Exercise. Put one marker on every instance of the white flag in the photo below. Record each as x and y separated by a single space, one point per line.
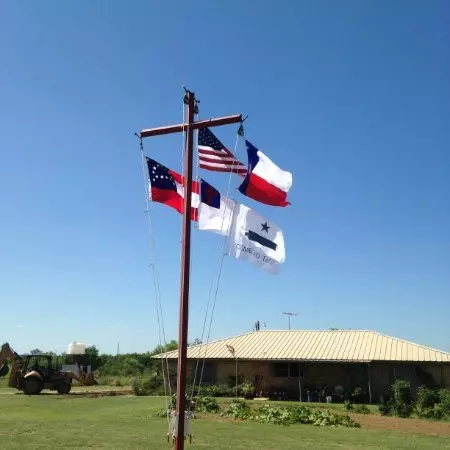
256 240
215 212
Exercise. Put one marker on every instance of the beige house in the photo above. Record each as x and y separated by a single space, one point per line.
311 364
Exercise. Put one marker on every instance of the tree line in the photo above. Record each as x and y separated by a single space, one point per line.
127 364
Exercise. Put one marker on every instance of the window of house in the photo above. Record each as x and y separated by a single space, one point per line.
286 370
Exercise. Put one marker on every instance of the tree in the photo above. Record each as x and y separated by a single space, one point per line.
36 351
91 352
91 355
172 345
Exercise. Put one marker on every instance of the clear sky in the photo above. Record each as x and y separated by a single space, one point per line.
353 97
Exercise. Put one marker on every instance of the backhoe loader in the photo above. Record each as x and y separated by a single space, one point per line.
32 373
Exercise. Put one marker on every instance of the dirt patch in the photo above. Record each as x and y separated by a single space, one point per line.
94 394
418 426
373 421
102 393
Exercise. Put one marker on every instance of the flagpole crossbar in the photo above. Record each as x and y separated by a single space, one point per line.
188 127
179 128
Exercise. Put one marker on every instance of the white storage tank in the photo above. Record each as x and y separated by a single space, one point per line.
76 348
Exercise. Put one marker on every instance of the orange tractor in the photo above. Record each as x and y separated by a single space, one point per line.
32 373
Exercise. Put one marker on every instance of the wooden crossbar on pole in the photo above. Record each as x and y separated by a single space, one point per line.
208 123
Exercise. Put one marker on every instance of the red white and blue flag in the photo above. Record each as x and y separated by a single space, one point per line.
215 212
167 187
265 181
213 155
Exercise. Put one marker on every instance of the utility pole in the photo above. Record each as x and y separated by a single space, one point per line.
188 128
289 315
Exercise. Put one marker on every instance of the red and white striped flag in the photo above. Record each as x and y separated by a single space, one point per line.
213 155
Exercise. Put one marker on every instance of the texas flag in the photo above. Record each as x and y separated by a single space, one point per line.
167 187
265 181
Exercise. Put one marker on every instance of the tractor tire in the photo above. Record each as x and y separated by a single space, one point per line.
63 388
32 386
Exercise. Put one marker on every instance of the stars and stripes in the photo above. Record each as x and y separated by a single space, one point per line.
214 156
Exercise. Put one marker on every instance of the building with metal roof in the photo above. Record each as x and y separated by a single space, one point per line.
304 363
306 345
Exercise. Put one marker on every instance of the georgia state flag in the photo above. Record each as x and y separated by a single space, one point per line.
265 181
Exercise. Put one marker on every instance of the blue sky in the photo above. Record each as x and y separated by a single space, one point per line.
352 97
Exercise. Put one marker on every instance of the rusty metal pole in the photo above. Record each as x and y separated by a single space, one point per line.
185 269
189 127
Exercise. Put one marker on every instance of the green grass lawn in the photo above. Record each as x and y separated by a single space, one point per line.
124 422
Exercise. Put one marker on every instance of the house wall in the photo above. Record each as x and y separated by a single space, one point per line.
315 375
383 374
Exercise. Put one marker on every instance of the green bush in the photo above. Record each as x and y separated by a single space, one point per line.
137 388
358 395
438 411
401 398
425 402
348 405
270 414
384 408
362 409
246 389
217 390
237 409
152 385
444 400
426 398
207 404
266 413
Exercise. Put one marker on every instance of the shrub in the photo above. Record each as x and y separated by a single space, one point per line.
238 409
384 408
317 417
425 402
362 409
246 388
207 404
358 395
270 414
348 405
444 400
137 387
217 390
152 385
401 398
426 398
287 415
438 411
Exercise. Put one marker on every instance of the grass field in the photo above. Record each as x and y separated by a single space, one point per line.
123 422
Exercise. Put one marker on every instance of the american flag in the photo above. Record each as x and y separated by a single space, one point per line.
213 155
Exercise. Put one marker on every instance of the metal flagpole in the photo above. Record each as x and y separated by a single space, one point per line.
185 270
189 127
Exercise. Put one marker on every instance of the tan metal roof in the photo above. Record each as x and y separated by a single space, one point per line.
329 345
